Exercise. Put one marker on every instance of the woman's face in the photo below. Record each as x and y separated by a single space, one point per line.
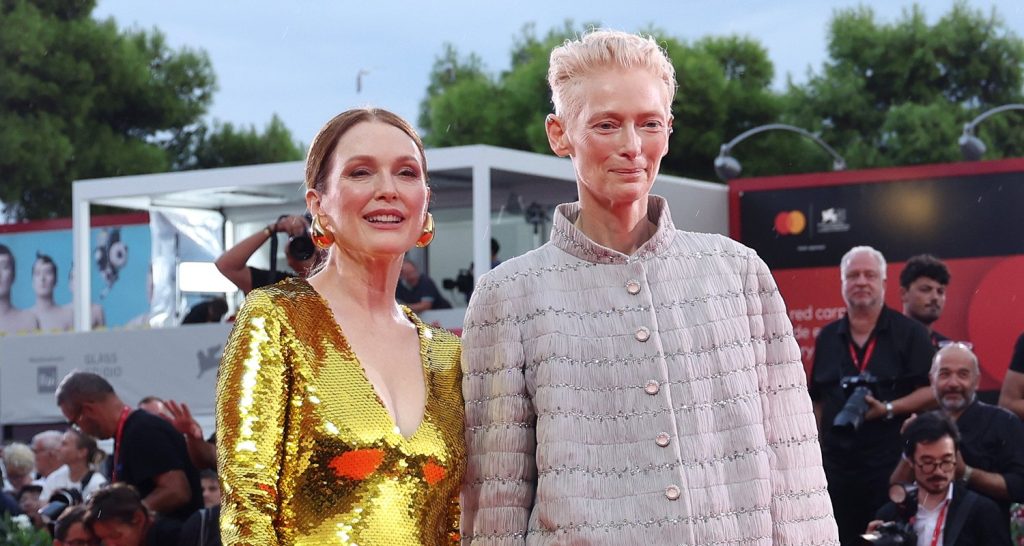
69 452
375 197
618 137
44 278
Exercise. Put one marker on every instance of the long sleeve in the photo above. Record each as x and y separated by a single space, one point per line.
498 489
800 506
251 409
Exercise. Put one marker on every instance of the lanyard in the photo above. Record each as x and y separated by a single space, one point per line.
938 523
125 412
862 364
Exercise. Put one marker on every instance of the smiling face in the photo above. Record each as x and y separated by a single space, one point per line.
374 201
954 378
619 136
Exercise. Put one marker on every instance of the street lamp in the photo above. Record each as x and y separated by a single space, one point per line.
971 147
728 167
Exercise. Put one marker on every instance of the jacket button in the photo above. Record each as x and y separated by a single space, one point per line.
643 334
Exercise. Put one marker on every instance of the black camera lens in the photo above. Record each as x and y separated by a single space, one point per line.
301 247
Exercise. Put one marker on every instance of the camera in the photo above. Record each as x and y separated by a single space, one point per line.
58 502
463 282
851 417
301 247
901 530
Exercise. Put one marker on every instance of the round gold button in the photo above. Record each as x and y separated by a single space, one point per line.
672 492
662 439
643 334
633 287
652 387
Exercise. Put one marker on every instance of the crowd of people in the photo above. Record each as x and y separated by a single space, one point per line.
626 383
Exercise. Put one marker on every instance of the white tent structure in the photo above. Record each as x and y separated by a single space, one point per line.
470 184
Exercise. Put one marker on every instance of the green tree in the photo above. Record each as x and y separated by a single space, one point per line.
724 88
899 93
80 99
224 145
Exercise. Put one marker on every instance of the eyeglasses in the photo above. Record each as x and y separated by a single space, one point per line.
964 344
928 467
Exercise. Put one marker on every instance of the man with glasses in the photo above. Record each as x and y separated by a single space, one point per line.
890 354
947 513
992 438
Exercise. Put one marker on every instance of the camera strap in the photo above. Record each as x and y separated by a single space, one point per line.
862 363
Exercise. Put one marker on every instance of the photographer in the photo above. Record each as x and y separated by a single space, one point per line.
871 339
941 510
299 251
418 291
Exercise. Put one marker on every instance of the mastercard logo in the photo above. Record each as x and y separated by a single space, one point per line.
791 222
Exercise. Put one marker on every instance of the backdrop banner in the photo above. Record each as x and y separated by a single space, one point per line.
172 363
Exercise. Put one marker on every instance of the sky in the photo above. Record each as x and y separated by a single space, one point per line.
300 58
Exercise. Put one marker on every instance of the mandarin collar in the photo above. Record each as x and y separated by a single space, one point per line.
569 238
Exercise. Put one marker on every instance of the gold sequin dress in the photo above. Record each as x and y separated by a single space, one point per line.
308 454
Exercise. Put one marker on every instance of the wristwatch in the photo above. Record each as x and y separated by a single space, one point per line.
888 411
967 474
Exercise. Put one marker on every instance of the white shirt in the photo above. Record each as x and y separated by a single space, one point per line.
924 522
60 478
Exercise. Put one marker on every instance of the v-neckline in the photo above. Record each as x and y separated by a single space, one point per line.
423 335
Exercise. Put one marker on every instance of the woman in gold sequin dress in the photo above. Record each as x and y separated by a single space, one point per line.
339 413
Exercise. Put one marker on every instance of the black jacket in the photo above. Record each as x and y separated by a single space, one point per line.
972 520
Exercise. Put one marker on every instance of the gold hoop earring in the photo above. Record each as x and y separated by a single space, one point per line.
428 232
322 238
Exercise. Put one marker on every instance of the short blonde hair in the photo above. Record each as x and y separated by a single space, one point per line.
602 49
19 459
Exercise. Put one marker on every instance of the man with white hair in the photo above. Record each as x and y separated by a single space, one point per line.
887 353
46 448
992 438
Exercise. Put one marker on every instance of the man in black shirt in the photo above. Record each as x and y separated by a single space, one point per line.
923 283
418 291
895 350
992 439
149 453
232 264
1011 396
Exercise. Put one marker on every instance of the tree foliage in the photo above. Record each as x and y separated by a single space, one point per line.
224 145
80 98
889 94
899 93
723 89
